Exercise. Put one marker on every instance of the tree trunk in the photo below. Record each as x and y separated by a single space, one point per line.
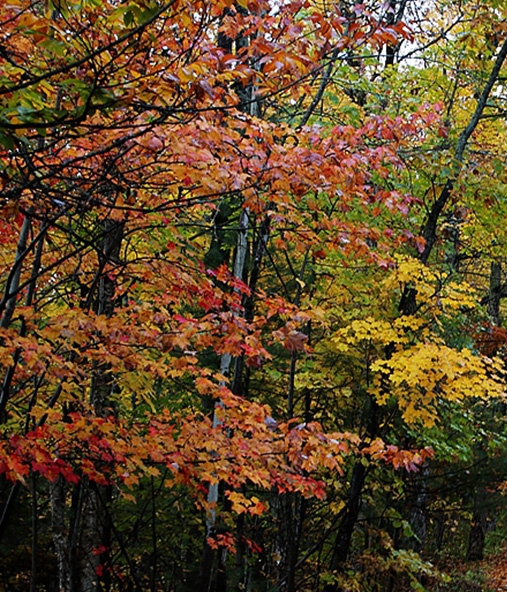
348 522
77 547
343 538
94 532
418 513
208 554
60 537
477 536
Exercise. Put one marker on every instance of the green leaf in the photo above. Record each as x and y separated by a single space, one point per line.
128 18
7 142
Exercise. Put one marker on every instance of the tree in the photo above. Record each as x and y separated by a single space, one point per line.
219 309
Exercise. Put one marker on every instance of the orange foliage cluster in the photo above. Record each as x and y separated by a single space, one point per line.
126 122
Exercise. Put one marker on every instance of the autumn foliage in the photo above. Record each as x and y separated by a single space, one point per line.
224 298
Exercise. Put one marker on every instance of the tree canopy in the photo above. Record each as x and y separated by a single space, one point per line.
251 302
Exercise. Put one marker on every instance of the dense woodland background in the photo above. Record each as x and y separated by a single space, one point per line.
253 267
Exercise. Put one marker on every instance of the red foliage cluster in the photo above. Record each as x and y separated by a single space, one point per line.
491 340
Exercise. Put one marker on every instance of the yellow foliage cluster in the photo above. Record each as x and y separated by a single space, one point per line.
407 360
432 288
418 377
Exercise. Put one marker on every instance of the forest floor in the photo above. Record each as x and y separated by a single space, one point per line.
494 568
488 575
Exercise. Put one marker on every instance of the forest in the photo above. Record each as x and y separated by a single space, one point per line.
253 282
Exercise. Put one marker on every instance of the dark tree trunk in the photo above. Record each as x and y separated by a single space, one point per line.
418 518
343 538
477 536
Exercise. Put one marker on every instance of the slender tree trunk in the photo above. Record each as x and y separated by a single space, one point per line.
8 304
477 537
291 505
495 292
208 554
78 535
418 518
238 386
94 530
429 231
342 543
60 536
293 517
441 527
